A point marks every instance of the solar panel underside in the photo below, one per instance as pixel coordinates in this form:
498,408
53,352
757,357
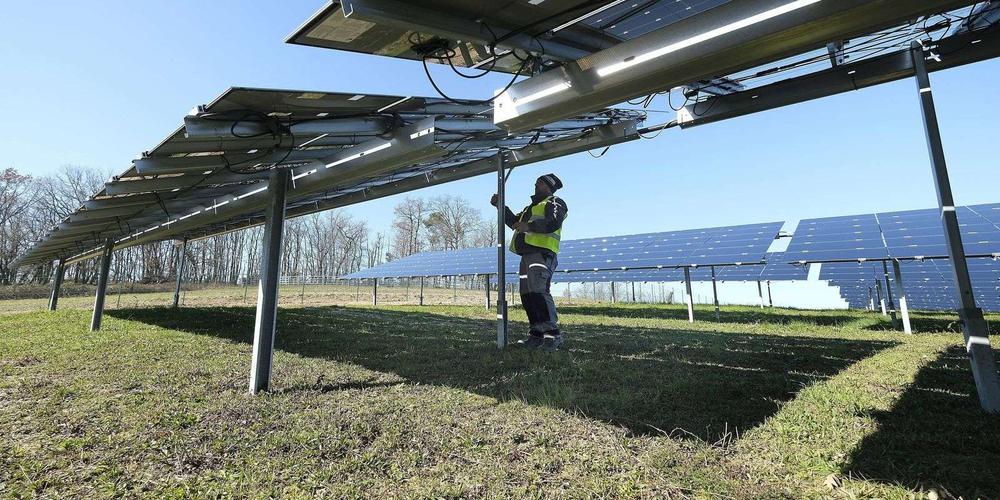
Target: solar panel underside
225,150
543,28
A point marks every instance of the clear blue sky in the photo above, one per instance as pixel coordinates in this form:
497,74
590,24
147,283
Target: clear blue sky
96,83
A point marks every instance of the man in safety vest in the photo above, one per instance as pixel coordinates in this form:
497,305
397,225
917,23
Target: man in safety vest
537,231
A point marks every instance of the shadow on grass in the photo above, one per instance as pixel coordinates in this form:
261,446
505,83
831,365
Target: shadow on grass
742,315
936,436
929,321
645,379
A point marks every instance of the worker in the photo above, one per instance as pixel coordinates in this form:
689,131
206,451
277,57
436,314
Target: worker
537,231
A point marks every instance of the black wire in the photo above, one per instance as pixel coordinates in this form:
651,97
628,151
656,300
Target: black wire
440,92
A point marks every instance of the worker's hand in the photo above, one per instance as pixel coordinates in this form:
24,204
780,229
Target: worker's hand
521,226
493,200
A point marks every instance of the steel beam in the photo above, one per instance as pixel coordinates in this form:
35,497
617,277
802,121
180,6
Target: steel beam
689,297
501,168
57,280
181,251
375,292
102,286
421,290
904,309
167,184
265,322
960,50
888,296
731,37
974,327
760,294
770,298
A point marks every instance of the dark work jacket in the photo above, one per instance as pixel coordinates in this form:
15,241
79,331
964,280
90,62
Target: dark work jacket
555,214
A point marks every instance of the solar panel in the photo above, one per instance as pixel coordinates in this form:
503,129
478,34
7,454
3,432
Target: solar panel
929,284
719,246
901,235
849,237
919,233
442,31
207,177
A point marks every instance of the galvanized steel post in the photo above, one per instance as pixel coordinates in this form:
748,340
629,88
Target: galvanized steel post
57,280
267,293
102,286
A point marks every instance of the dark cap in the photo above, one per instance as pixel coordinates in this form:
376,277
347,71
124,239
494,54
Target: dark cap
551,181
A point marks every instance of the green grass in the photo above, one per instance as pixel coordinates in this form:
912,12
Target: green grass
417,402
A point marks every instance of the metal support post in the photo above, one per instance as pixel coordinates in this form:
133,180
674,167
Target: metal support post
715,296
888,296
904,309
501,252
267,289
421,290
689,298
760,293
57,280
974,328
102,286
881,301
375,292
614,298
633,292
180,271
770,298
486,281
871,300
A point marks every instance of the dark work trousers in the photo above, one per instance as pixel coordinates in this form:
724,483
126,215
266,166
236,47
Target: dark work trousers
535,276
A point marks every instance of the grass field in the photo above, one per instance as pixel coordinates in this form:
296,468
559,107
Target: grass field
417,402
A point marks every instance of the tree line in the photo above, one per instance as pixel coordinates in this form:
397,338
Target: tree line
329,244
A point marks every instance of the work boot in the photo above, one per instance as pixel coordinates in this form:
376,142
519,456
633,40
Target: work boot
531,341
552,343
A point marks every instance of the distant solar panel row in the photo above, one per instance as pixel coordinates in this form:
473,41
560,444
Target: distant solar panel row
737,251
900,235
929,284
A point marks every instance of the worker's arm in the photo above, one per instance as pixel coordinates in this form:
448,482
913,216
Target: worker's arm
509,218
555,213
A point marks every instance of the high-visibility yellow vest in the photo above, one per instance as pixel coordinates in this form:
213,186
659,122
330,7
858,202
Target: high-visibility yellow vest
548,241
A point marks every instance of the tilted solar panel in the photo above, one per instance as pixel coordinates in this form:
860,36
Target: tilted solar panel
208,176
849,237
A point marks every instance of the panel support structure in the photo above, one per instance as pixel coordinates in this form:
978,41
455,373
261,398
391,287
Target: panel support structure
421,290
715,296
689,297
974,328
57,280
375,291
102,286
881,301
501,252
770,298
904,309
888,296
486,280
760,293
180,271
267,293
614,298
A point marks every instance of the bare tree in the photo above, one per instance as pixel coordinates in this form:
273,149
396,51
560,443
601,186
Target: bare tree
452,223
410,216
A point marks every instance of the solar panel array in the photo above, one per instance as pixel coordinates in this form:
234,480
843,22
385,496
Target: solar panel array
900,235
190,183
736,250
929,284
